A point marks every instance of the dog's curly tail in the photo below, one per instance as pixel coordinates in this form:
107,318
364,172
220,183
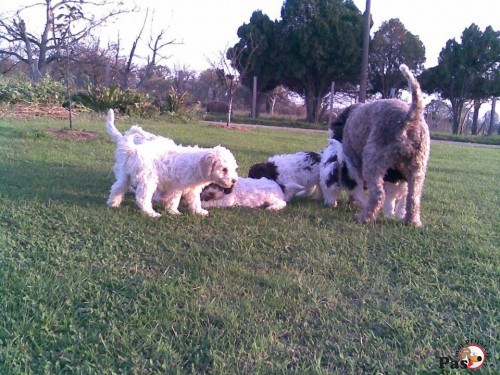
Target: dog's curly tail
417,106
110,127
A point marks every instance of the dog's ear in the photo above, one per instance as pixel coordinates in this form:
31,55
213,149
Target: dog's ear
207,164
267,170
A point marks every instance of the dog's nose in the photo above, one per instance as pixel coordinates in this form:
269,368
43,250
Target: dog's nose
233,181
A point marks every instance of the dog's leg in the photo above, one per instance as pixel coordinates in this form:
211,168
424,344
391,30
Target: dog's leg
415,187
400,211
118,190
172,201
359,195
312,191
373,174
194,202
144,198
317,192
391,194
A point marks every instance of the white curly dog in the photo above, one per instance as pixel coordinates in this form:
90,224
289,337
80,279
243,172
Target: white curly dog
149,163
249,192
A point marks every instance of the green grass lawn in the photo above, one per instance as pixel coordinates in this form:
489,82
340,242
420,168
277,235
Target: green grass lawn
307,290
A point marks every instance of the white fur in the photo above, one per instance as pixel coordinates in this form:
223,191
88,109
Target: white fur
149,163
395,199
248,192
332,161
138,134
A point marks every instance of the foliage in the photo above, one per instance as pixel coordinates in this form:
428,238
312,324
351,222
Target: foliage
47,91
99,98
315,43
478,139
321,42
466,70
259,44
393,45
129,102
175,100
87,289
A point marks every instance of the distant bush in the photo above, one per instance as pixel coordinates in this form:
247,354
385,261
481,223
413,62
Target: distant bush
175,100
467,138
47,91
129,102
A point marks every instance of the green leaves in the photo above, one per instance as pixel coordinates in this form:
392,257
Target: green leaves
315,43
393,45
130,102
175,100
466,70
22,91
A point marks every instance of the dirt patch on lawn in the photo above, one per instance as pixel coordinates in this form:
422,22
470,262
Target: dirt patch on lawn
25,111
231,126
76,135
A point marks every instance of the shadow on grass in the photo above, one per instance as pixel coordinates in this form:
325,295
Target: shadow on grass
53,182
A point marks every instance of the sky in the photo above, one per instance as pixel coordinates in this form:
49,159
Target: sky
205,28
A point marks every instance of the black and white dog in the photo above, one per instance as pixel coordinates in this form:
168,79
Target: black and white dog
301,168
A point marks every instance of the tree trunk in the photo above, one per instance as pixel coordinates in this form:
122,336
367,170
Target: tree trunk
456,109
313,105
231,94
477,105
492,117
36,75
364,62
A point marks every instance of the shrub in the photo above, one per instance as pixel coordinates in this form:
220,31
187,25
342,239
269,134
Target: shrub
175,100
47,91
130,102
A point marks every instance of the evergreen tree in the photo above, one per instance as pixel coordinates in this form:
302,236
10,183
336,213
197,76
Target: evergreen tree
393,45
466,70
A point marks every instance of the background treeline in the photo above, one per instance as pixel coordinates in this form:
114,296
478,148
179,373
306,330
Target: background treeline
295,60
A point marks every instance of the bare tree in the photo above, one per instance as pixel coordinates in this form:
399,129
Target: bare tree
156,45
38,51
234,69
125,73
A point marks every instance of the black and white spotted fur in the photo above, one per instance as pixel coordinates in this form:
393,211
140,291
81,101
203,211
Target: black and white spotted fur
300,168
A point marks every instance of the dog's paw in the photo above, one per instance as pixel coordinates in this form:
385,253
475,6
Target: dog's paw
276,206
153,215
202,212
113,203
414,223
400,215
173,211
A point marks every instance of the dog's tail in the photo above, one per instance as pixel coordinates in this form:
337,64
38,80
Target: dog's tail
417,106
110,127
